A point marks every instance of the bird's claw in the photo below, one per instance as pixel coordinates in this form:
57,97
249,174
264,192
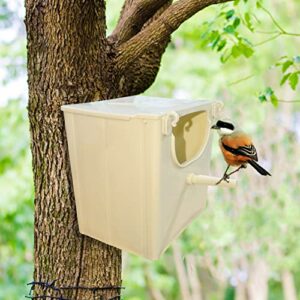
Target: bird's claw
225,178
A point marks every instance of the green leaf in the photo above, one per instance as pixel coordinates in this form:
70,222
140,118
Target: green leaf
225,56
274,100
283,57
248,22
215,42
258,4
236,22
286,65
269,91
229,14
214,34
221,45
246,50
293,80
235,51
285,78
229,29
213,38
262,98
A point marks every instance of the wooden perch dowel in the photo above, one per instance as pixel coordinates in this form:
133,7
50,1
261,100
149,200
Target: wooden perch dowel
209,180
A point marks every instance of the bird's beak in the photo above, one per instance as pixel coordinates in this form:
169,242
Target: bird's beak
214,127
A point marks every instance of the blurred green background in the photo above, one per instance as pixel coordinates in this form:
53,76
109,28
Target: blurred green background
246,244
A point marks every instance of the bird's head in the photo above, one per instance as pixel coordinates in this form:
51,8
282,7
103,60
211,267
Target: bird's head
224,127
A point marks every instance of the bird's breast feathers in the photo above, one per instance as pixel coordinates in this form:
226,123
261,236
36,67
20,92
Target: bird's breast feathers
238,146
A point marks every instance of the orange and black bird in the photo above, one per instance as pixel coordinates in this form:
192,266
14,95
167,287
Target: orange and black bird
237,149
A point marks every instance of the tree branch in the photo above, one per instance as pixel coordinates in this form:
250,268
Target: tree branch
141,73
160,29
134,14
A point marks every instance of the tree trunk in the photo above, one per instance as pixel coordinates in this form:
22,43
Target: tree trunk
258,280
241,291
288,285
67,63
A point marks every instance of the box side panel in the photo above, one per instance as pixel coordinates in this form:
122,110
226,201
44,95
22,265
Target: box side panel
71,137
151,187
86,149
125,167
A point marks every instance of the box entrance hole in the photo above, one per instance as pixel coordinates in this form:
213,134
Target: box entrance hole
190,137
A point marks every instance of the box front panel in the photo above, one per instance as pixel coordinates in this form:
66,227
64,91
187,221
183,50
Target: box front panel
115,173
181,203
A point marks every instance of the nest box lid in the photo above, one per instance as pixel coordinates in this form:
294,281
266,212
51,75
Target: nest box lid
136,107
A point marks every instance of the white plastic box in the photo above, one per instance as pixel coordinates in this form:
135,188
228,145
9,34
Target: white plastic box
130,159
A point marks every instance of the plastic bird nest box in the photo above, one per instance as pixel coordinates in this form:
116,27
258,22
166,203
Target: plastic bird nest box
130,160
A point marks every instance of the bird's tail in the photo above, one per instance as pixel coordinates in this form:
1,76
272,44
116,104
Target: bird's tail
258,168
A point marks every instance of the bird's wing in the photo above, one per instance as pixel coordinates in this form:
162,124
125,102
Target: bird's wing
247,150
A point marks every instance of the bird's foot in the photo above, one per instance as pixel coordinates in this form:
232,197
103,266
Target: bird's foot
225,178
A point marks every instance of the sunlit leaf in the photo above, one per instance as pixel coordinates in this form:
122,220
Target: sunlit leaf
293,80
248,21
284,78
225,56
274,100
286,65
258,4
246,50
235,51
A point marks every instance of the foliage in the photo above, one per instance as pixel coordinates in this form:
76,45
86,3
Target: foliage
291,70
234,31
6,14
16,202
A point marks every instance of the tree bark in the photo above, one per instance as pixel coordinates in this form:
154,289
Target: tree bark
70,60
160,29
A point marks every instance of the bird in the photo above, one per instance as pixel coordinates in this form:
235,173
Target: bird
237,148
